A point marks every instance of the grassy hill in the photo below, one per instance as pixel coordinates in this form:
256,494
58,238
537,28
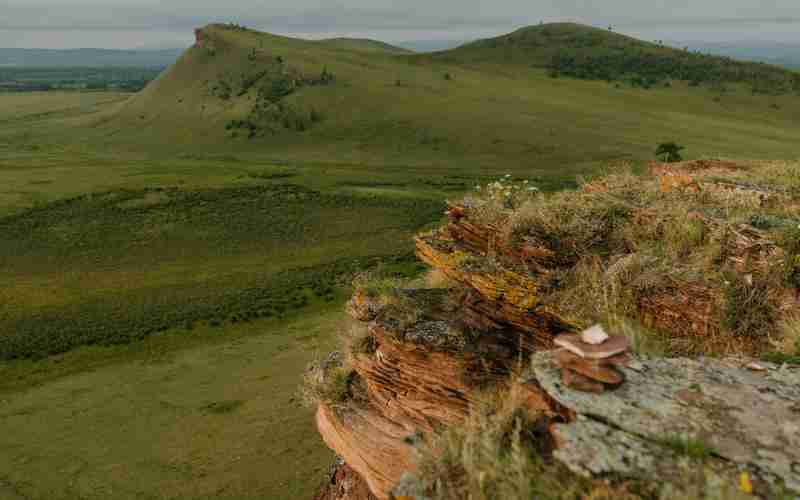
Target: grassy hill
590,53
255,93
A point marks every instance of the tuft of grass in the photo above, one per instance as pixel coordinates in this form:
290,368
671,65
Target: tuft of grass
357,340
749,308
571,224
687,446
644,341
786,343
333,382
376,285
493,455
501,452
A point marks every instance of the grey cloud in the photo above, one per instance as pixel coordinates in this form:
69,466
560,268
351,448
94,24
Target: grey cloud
383,17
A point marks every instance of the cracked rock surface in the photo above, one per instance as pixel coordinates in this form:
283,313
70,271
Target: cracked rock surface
748,421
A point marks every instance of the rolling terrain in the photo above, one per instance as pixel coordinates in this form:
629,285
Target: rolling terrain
224,209
478,106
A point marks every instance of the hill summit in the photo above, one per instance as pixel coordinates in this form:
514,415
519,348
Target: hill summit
492,102
575,50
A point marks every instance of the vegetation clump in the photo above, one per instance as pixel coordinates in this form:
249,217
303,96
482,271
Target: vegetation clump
669,152
502,451
332,382
704,245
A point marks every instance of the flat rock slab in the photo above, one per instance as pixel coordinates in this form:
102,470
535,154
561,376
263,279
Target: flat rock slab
748,419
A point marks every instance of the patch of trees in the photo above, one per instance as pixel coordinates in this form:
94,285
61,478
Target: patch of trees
270,113
235,27
647,69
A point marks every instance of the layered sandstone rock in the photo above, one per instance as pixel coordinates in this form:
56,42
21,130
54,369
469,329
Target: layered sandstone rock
418,379
429,355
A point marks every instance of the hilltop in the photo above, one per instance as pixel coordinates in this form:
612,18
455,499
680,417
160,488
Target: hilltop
250,92
591,53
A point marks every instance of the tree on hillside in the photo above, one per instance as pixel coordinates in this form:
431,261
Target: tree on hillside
669,152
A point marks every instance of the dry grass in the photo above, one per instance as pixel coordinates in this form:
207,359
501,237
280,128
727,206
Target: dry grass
500,453
713,246
644,341
786,342
496,454
435,278
331,381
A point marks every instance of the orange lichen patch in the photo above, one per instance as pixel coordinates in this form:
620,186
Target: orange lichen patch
498,284
671,182
361,307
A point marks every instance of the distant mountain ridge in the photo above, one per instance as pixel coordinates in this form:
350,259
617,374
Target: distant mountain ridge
87,57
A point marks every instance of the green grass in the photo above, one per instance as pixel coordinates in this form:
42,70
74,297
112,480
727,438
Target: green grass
158,272
692,448
214,416
585,52
116,266
491,118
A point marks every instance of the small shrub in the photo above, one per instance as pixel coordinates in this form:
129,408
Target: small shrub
669,152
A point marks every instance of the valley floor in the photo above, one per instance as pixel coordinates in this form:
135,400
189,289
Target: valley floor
218,420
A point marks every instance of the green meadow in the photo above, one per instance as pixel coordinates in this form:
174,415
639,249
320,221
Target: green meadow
171,260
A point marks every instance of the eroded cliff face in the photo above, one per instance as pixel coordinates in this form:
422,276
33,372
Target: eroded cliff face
429,354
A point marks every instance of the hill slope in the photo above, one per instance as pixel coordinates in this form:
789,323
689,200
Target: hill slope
591,53
364,44
252,93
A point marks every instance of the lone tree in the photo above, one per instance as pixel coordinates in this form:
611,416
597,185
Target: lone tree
669,152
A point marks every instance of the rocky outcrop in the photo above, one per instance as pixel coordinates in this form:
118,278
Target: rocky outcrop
418,379
428,355
746,421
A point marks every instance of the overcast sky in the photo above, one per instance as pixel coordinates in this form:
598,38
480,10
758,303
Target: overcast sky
169,23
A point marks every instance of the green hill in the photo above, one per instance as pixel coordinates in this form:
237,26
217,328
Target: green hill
249,92
590,53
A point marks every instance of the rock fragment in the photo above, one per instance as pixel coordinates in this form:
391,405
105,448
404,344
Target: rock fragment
611,347
597,371
595,335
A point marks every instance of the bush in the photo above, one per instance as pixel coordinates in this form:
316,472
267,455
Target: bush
669,152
